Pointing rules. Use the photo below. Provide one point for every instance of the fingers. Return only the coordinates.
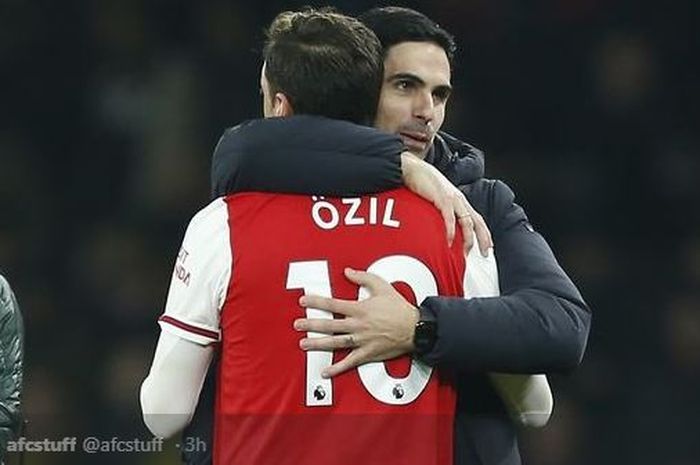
(429, 183)
(330, 343)
(471, 222)
(440, 196)
(322, 325)
(463, 212)
(371, 281)
(466, 224)
(352, 360)
(483, 235)
(448, 215)
(342, 307)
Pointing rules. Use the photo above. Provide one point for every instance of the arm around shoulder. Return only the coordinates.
(305, 154)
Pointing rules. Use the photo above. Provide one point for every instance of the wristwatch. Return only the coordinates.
(425, 333)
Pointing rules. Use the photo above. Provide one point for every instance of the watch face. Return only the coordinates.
(425, 335)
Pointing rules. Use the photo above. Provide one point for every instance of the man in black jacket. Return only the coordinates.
(412, 104)
(540, 324)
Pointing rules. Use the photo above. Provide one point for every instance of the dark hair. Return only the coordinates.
(326, 63)
(393, 25)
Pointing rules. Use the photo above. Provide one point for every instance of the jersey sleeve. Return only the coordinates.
(200, 278)
(481, 276)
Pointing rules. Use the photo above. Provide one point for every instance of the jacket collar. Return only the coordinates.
(460, 162)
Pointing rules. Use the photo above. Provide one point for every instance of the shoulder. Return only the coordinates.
(460, 161)
(489, 195)
(211, 217)
(207, 232)
(211, 212)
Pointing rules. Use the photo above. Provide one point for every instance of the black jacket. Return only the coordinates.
(539, 324)
(11, 355)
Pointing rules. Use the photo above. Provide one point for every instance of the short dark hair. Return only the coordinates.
(393, 25)
(326, 63)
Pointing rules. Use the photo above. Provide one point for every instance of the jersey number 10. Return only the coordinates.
(313, 278)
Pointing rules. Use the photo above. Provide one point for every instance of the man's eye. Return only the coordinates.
(441, 96)
(404, 85)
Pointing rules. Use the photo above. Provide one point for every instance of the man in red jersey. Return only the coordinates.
(246, 260)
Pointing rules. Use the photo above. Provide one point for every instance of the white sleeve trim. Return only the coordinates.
(197, 334)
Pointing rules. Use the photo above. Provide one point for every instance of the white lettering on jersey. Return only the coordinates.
(388, 220)
(327, 216)
(180, 271)
(350, 218)
(379, 383)
(313, 277)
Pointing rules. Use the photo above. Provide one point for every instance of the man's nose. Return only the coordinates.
(424, 107)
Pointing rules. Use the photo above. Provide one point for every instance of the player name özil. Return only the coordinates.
(353, 211)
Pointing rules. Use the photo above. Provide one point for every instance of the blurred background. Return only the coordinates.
(589, 109)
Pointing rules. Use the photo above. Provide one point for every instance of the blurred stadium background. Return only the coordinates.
(589, 109)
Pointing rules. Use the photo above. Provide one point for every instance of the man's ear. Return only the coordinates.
(281, 105)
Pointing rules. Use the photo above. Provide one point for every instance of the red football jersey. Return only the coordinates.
(272, 405)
